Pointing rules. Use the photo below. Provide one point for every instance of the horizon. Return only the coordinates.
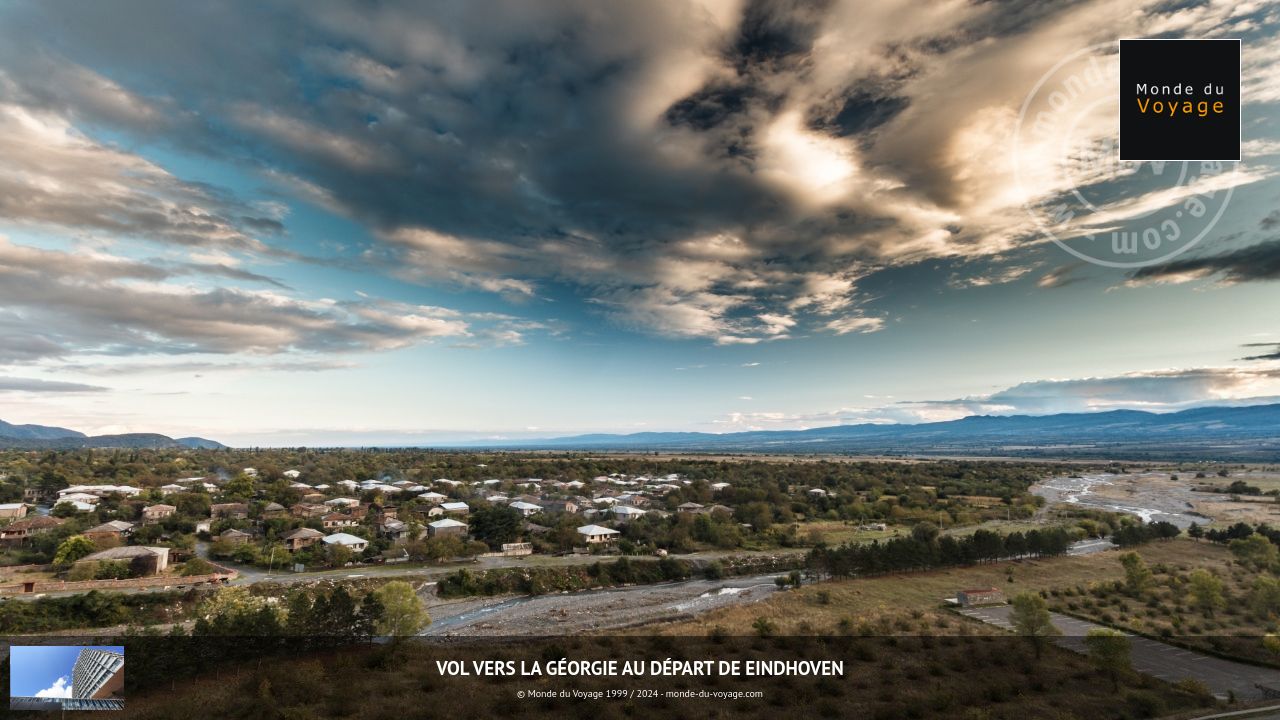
(463, 440)
(698, 216)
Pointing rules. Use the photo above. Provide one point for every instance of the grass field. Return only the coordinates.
(916, 599)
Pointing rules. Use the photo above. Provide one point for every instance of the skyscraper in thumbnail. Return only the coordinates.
(97, 673)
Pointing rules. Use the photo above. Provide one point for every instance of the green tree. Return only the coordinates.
(1264, 599)
(403, 612)
(1109, 653)
(1255, 552)
(1031, 619)
(72, 549)
(1137, 576)
(1206, 591)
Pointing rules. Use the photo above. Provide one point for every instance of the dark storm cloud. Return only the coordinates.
(1248, 264)
(1272, 351)
(699, 169)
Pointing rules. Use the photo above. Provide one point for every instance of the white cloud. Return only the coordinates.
(61, 688)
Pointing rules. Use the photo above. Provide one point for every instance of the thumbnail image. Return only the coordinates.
(66, 677)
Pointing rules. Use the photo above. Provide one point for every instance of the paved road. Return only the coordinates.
(1089, 547)
(1161, 660)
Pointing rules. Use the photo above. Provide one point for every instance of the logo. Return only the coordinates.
(1101, 209)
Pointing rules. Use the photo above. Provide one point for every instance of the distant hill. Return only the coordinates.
(36, 432)
(41, 437)
(1240, 433)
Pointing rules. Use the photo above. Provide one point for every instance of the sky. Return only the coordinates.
(344, 223)
(45, 670)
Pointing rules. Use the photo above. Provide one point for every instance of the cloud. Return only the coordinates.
(1252, 263)
(1156, 391)
(60, 303)
(722, 170)
(33, 385)
(61, 688)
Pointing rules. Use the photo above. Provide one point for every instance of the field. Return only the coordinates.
(916, 599)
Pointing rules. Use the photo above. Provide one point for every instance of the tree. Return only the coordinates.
(495, 525)
(1031, 619)
(925, 532)
(1137, 576)
(72, 549)
(1255, 552)
(1109, 653)
(1206, 591)
(1195, 531)
(1265, 597)
(402, 610)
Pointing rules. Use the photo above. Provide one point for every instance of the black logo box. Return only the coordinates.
(1185, 67)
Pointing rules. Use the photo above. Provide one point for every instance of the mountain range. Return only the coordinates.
(40, 437)
(1241, 433)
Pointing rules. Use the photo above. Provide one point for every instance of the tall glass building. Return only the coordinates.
(97, 673)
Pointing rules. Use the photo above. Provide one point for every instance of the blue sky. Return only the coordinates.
(45, 670)
(326, 222)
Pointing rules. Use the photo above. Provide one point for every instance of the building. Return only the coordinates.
(234, 537)
(595, 534)
(561, 506)
(274, 510)
(447, 526)
(302, 538)
(308, 510)
(356, 544)
(152, 513)
(626, 513)
(43, 704)
(97, 674)
(980, 596)
(526, 508)
(116, 530)
(455, 508)
(337, 520)
(146, 560)
(20, 530)
(229, 510)
(689, 507)
(171, 488)
(12, 511)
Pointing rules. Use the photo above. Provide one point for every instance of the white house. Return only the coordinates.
(171, 488)
(292, 474)
(626, 513)
(594, 534)
(357, 544)
(455, 508)
(526, 508)
(433, 497)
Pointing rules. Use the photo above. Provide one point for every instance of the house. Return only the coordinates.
(342, 502)
(596, 534)
(308, 510)
(689, 507)
(229, 510)
(301, 538)
(20, 530)
(525, 508)
(145, 560)
(980, 596)
(81, 498)
(171, 488)
(12, 510)
(455, 508)
(356, 544)
(626, 513)
(561, 506)
(817, 492)
(717, 487)
(115, 530)
(152, 513)
(434, 498)
(394, 530)
(447, 526)
(100, 490)
(292, 474)
(234, 537)
(337, 520)
(273, 510)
